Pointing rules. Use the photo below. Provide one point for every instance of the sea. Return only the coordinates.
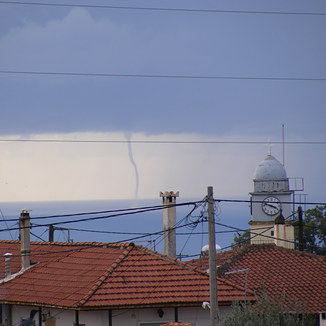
(138, 221)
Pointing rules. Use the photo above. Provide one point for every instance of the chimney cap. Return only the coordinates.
(280, 219)
(25, 210)
(169, 194)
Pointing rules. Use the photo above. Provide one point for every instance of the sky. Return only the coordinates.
(140, 101)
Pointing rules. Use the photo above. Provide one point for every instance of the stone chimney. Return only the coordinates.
(7, 263)
(169, 222)
(25, 242)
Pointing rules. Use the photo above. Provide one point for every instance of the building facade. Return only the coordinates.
(271, 205)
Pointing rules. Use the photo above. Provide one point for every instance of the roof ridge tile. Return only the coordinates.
(167, 258)
(76, 244)
(191, 268)
(106, 274)
(256, 247)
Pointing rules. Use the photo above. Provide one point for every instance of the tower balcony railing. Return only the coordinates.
(258, 241)
(286, 244)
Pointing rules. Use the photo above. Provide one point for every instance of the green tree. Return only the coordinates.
(240, 240)
(314, 230)
(268, 312)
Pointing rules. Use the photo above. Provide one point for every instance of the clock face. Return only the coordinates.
(271, 205)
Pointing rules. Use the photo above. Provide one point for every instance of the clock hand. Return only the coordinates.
(272, 205)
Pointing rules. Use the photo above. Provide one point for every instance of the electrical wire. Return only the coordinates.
(6, 224)
(160, 76)
(133, 209)
(181, 142)
(144, 233)
(189, 10)
(177, 226)
(118, 212)
(95, 244)
(144, 252)
(255, 234)
(160, 233)
(189, 222)
(130, 211)
(36, 236)
(261, 201)
(186, 219)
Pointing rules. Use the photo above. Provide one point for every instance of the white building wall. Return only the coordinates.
(132, 317)
(322, 319)
(62, 317)
(261, 232)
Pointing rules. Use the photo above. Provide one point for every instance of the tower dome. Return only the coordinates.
(270, 169)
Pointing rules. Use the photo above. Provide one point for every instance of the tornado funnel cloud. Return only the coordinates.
(133, 163)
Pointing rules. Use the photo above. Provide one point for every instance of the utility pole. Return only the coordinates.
(51, 233)
(300, 235)
(212, 258)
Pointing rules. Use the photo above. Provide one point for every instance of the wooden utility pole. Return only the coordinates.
(51, 233)
(212, 258)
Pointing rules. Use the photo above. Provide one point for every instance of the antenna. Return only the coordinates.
(283, 142)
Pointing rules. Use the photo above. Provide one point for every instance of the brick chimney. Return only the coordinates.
(25, 242)
(169, 222)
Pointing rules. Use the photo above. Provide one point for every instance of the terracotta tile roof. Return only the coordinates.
(279, 271)
(97, 275)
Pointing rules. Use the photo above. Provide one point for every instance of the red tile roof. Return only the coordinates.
(97, 275)
(279, 271)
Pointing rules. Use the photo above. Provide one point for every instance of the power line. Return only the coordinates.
(149, 208)
(138, 210)
(143, 233)
(152, 76)
(133, 209)
(88, 219)
(160, 233)
(97, 244)
(219, 11)
(255, 234)
(261, 201)
(117, 212)
(6, 224)
(179, 225)
(181, 142)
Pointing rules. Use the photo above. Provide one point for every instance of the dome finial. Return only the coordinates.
(270, 145)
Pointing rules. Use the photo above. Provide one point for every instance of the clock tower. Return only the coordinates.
(271, 202)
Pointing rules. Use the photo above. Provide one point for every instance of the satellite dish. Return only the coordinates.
(204, 250)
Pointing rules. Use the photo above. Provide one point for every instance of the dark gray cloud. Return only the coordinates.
(158, 43)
